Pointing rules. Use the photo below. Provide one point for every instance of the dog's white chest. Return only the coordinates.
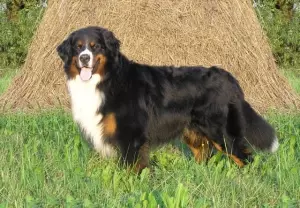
(86, 101)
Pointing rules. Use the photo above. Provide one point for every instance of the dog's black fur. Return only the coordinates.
(155, 104)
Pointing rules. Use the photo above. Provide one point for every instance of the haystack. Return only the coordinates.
(184, 32)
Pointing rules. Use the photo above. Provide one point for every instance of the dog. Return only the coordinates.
(125, 107)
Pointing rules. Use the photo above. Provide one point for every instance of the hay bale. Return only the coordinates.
(185, 32)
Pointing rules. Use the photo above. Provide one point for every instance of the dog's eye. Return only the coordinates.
(79, 46)
(92, 44)
(95, 46)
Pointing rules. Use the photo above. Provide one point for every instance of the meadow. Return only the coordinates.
(45, 163)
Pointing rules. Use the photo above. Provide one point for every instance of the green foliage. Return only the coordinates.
(6, 76)
(281, 21)
(45, 163)
(293, 76)
(17, 29)
(146, 200)
(179, 200)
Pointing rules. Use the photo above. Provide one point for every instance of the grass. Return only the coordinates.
(45, 163)
(6, 76)
(293, 76)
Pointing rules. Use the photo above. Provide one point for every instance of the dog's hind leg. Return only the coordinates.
(225, 136)
(229, 145)
(199, 144)
(239, 155)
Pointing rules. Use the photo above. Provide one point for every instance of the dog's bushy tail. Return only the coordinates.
(258, 132)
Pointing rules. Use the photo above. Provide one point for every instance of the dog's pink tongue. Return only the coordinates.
(85, 73)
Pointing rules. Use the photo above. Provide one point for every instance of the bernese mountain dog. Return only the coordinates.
(125, 107)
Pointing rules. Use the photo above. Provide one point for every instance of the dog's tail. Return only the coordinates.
(258, 132)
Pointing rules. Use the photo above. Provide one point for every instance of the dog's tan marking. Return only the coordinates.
(109, 124)
(101, 65)
(79, 44)
(217, 146)
(198, 144)
(143, 158)
(237, 161)
(73, 68)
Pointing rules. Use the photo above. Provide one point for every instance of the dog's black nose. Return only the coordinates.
(84, 58)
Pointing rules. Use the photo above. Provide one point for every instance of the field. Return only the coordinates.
(45, 163)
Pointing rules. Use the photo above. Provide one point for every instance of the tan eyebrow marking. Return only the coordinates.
(79, 44)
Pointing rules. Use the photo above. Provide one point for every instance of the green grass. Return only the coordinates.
(6, 76)
(45, 163)
(293, 76)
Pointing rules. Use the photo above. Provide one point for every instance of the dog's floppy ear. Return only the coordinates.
(64, 50)
(111, 42)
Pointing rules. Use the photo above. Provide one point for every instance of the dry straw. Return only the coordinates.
(172, 32)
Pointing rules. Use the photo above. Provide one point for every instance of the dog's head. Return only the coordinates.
(87, 51)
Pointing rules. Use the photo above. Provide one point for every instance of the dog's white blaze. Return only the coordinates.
(275, 145)
(87, 52)
(86, 100)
